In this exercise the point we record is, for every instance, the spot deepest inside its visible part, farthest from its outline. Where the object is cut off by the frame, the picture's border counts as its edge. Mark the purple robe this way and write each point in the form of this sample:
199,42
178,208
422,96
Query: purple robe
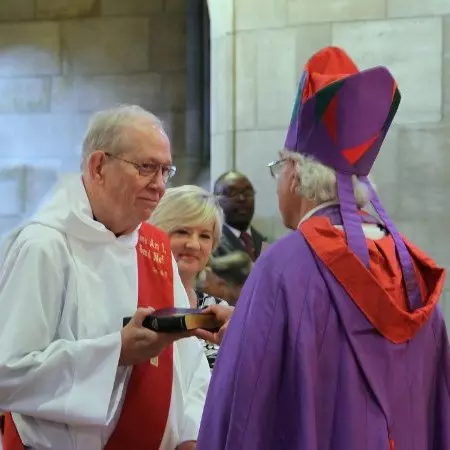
304,366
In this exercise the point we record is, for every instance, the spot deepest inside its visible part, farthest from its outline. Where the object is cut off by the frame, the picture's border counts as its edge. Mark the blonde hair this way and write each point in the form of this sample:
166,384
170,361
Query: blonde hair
188,206
317,182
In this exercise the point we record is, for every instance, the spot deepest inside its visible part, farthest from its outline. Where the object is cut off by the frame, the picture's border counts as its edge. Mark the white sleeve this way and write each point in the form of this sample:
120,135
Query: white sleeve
194,370
40,376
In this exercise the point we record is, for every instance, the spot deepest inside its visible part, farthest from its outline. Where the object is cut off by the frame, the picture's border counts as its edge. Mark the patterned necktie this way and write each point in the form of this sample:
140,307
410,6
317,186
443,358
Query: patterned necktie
248,244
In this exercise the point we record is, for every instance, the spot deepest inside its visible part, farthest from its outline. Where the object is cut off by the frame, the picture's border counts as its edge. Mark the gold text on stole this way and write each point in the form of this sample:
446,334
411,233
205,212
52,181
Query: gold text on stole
156,252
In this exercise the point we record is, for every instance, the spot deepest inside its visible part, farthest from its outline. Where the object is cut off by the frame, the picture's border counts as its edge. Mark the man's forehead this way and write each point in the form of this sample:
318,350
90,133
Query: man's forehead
153,144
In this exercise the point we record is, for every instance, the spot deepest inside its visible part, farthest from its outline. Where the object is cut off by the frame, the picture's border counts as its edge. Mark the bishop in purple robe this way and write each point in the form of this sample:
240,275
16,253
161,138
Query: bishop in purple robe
337,342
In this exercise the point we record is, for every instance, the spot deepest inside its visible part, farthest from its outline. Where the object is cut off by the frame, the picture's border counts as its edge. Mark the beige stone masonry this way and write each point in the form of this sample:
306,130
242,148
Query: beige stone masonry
417,8
106,46
301,11
29,49
412,49
131,7
11,10
56,9
257,14
25,95
88,94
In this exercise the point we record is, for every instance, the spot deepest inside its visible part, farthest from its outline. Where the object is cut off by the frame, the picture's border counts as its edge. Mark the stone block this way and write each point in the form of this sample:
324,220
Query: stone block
188,170
445,304
221,17
222,154
204,178
417,8
412,50
254,150
193,133
173,91
418,231
106,46
24,95
175,126
301,11
424,157
260,14
177,6
385,168
310,39
446,69
47,136
422,200
439,235
222,85
246,79
40,177
28,49
57,9
11,179
88,94
167,42
390,194
131,7
16,10
277,76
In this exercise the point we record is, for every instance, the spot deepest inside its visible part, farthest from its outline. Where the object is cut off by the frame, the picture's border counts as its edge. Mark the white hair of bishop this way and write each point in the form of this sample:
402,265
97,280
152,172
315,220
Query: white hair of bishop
317,182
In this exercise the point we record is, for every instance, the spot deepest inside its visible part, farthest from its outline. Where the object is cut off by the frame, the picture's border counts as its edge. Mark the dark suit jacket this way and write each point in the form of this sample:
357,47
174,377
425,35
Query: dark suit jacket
230,243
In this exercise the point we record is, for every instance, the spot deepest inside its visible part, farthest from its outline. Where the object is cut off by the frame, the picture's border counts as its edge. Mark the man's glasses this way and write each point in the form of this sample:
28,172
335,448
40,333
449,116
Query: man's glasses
245,195
149,169
275,167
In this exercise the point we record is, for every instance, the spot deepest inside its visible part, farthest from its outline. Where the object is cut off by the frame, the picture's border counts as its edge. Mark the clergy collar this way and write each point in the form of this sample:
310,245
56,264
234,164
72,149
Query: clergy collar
311,212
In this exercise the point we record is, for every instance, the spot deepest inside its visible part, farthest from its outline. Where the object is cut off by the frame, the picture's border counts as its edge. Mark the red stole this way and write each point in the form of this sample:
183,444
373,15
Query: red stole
145,411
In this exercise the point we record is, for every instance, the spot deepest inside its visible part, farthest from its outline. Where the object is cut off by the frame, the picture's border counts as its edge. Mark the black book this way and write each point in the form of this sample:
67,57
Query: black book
172,320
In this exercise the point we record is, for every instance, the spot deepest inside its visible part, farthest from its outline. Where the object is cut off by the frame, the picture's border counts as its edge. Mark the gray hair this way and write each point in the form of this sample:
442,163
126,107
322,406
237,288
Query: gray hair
317,182
188,206
107,129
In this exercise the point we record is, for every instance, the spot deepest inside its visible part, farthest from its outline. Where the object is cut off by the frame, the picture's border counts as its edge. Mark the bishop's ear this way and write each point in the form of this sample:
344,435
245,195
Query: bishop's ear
95,166
293,175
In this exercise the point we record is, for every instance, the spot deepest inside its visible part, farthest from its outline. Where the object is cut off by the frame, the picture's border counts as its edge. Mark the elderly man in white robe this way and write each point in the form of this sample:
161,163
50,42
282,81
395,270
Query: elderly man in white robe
71,376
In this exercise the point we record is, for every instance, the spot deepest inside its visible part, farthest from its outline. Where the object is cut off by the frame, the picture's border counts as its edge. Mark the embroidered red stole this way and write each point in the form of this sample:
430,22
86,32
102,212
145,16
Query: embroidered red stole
145,411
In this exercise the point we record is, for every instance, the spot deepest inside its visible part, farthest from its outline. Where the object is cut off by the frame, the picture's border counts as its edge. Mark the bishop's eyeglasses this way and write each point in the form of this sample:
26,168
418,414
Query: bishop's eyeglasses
275,167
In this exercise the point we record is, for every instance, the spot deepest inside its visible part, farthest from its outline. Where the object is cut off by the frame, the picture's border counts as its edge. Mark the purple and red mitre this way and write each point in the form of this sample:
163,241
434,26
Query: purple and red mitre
341,115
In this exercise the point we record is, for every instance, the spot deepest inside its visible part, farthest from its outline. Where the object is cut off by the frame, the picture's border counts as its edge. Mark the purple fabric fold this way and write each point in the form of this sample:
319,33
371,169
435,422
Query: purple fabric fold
409,276
351,219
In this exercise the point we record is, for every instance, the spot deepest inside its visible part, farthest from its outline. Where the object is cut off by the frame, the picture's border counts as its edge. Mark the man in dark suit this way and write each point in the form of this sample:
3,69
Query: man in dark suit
237,199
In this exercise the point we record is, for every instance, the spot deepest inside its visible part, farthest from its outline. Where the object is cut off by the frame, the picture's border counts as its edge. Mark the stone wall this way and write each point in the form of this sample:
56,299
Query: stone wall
259,48
61,60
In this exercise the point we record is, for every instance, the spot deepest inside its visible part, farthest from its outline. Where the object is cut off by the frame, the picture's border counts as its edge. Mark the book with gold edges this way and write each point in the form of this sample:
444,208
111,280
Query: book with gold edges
170,320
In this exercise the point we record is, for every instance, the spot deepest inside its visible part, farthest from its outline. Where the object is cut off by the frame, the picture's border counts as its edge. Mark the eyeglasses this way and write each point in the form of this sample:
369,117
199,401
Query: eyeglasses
245,195
275,167
149,169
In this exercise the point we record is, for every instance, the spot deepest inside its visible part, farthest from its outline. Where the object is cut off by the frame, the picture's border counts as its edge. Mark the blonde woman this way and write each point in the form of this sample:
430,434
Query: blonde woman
193,220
